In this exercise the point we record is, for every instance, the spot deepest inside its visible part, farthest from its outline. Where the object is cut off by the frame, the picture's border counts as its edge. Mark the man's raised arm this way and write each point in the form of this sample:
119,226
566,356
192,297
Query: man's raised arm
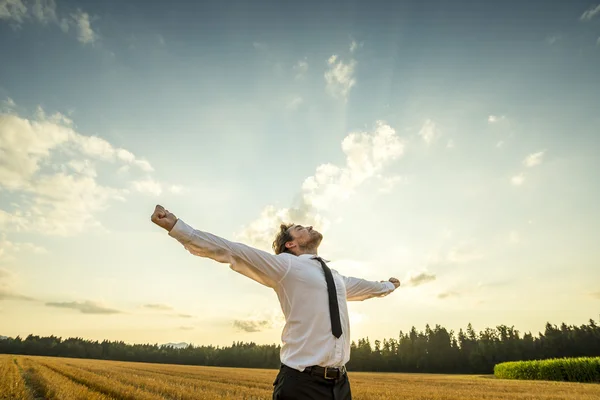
263,267
360,289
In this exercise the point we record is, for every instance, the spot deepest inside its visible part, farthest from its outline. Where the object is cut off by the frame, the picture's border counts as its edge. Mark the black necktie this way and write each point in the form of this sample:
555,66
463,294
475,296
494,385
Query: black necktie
334,311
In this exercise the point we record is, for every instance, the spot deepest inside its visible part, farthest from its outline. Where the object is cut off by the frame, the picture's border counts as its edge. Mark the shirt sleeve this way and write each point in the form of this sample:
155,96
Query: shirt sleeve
360,289
265,268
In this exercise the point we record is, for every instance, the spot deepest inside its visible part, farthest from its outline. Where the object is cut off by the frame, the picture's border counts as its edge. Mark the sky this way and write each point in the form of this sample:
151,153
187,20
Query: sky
453,145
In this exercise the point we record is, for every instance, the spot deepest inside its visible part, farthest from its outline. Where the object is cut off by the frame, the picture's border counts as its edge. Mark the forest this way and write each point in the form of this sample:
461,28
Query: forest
434,350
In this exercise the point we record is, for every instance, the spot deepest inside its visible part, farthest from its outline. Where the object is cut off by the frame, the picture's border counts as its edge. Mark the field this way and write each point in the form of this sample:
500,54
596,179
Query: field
33,378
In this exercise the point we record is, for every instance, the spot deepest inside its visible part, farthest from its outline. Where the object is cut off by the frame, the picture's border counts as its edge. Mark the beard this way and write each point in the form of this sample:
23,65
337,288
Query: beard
313,241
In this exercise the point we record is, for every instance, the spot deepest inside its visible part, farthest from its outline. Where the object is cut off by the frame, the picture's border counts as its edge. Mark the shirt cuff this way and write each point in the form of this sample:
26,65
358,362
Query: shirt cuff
390,286
181,231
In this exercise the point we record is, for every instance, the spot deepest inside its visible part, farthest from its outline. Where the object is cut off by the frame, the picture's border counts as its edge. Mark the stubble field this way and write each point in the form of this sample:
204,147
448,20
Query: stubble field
33,378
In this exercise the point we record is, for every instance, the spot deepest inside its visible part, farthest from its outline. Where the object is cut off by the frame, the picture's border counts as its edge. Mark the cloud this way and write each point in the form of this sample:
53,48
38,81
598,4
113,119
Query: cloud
595,295
86,307
388,183
492,119
518,180
53,169
7,248
354,45
176,189
598,41
500,144
448,294
534,159
184,315
161,307
44,12
462,253
417,279
428,132
186,328
294,103
301,68
450,144
14,10
148,186
161,39
6,294
367,154
251,326
6,282
514,237
553,39
260,46
590,13
340,77
85,32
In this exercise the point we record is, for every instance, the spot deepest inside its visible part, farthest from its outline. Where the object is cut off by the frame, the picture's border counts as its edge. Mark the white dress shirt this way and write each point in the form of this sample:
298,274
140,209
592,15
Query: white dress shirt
299,282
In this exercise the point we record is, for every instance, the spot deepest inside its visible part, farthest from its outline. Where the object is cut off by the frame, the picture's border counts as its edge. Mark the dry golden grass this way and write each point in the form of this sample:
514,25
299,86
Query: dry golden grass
12,384
64,378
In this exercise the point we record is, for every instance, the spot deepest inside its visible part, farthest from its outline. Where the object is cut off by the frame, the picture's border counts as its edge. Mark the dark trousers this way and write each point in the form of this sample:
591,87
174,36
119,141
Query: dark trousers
292,384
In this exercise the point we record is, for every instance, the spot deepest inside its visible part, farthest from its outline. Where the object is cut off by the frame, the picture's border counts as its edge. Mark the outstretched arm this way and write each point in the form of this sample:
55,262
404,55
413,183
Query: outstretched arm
360,289
263,267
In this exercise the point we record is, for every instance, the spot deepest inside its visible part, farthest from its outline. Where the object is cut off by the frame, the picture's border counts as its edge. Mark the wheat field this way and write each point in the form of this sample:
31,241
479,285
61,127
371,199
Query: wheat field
34,378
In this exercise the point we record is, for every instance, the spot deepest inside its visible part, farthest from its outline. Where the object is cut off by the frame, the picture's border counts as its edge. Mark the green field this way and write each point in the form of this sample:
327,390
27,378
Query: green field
32,378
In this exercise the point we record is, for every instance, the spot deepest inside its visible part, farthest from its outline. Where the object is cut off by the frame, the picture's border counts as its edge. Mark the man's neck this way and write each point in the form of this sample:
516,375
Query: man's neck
312,252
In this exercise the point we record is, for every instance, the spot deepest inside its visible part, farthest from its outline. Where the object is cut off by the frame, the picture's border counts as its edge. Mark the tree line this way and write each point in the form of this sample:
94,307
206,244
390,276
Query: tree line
434,350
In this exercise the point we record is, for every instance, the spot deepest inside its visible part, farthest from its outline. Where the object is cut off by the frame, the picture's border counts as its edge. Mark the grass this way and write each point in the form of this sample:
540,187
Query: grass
28,377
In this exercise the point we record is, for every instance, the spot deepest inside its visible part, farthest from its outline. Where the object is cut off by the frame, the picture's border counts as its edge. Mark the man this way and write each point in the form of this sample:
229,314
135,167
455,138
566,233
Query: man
316,336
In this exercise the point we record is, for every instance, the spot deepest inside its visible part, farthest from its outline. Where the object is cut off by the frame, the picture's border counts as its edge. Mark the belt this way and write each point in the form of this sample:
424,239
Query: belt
326,372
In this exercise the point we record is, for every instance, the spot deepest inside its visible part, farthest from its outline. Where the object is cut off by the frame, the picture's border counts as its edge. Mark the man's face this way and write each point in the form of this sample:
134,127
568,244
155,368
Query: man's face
305,236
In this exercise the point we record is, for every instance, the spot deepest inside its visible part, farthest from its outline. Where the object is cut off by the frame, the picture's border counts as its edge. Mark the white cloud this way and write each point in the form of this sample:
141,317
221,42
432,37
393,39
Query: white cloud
518,180
450,144
590,13
294,103
84,167
161,39
85,32
388,183
553,39
301,68
534,159
340,77
9,103
176,189
8,248
367,154
429,132
598,41
14,10
43,11
53,170
463,253
354,45
148,186
500,144
260,46
492,119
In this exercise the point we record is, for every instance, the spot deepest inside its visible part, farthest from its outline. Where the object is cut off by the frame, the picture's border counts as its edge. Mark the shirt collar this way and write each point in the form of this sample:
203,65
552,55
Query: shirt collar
311,256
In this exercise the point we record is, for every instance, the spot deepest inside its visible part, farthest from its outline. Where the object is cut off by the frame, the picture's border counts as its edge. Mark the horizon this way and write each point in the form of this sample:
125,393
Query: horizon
453,147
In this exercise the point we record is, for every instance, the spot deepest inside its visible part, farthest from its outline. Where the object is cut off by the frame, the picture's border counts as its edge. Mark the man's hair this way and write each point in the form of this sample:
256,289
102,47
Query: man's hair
283,236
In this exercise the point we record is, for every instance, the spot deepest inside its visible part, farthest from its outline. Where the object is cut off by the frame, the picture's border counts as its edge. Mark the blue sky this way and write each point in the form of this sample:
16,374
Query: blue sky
451,145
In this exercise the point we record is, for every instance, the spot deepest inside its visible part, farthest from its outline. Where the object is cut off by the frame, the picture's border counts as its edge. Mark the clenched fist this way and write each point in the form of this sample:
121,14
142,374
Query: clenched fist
163,218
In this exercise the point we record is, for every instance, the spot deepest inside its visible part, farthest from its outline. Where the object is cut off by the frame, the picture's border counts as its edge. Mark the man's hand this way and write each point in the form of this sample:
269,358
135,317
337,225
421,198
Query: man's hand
395,281
163,218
